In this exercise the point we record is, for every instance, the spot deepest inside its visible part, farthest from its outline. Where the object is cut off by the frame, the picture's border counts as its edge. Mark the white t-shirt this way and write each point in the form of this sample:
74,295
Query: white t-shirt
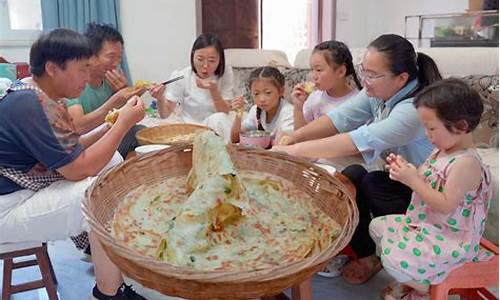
320,103
283,120
196,103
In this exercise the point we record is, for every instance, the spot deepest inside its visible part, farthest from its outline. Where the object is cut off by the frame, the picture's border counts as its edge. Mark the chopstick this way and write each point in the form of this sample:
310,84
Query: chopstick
172,80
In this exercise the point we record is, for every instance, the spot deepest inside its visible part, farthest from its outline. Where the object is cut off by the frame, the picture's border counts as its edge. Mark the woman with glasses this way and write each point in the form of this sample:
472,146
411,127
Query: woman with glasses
205,92
379,120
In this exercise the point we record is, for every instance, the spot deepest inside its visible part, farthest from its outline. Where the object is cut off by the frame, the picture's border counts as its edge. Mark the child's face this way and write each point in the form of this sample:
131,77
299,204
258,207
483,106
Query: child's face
435,130
266,94
205,61
324,76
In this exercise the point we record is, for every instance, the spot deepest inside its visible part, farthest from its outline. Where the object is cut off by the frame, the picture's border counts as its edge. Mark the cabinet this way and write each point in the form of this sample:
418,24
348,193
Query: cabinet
472,29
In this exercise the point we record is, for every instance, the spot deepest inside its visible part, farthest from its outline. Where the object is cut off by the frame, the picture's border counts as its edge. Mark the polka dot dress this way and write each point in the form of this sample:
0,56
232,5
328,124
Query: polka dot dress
425,244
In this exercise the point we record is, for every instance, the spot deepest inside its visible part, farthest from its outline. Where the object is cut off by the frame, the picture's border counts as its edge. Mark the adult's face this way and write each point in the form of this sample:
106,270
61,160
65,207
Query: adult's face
205,61
69,81
108,58
377,77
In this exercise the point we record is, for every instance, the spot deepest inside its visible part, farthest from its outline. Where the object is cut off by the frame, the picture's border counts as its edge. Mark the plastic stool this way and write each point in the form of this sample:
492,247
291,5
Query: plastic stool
471,279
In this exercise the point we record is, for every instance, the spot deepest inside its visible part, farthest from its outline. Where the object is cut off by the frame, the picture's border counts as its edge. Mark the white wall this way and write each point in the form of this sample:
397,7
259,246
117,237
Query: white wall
360,21
158,36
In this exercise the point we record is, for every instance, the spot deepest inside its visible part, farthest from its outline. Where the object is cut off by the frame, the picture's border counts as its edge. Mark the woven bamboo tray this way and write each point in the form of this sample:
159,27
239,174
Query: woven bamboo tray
163,134
328,193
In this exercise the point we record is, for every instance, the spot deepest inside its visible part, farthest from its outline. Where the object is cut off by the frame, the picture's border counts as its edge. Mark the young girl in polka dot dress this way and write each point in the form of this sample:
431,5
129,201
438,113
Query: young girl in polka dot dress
443,224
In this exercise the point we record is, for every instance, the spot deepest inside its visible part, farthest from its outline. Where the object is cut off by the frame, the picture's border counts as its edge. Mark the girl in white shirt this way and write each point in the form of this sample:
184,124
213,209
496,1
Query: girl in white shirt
271,112
205,92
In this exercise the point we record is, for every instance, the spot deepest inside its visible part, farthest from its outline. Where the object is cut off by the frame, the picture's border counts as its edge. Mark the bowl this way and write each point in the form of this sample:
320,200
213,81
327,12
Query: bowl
255,138
149,148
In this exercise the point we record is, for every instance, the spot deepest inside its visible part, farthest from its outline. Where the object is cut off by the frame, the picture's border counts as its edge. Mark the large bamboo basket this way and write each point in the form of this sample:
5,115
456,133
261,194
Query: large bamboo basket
162,134
330,194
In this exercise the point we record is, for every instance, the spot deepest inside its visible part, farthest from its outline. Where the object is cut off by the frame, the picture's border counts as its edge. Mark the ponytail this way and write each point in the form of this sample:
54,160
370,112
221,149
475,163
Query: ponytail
428,72
401,57
337,53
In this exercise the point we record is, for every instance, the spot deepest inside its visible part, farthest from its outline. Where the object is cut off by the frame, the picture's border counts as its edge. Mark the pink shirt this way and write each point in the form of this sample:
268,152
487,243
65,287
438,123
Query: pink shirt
319,103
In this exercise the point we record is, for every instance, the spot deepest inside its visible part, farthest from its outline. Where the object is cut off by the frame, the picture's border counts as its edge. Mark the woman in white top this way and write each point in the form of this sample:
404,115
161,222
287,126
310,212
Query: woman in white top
271,112
205,92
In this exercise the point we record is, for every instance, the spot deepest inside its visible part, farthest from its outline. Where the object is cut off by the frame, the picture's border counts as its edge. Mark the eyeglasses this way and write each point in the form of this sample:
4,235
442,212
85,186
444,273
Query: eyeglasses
367,76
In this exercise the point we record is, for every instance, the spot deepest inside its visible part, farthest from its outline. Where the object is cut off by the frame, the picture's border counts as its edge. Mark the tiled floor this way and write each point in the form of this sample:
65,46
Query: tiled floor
76,280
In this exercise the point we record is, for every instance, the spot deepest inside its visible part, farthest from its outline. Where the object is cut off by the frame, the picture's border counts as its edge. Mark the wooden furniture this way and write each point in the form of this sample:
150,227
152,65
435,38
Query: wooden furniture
9,252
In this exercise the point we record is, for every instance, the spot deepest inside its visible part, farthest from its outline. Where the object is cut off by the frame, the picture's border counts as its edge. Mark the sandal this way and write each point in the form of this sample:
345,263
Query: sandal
395,291
356,272
334,266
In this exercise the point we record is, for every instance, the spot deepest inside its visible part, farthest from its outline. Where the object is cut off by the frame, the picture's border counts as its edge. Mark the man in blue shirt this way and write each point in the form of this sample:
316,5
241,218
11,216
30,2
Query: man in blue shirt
45,166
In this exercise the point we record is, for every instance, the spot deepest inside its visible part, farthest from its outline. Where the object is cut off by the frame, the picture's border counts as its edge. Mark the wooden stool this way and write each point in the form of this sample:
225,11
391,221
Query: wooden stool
10,251
471,279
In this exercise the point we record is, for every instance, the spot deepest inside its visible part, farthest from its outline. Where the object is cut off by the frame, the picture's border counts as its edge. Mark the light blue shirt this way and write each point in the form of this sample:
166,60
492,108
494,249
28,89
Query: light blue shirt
378,128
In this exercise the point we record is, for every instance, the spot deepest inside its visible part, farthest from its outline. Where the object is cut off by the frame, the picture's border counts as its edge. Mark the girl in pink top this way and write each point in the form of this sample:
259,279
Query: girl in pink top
331,66
443,224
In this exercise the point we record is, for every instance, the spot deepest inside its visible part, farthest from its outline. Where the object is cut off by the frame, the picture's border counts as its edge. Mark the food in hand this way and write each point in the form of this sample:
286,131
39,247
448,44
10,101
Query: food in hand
112,116
284,140
308,87
143,84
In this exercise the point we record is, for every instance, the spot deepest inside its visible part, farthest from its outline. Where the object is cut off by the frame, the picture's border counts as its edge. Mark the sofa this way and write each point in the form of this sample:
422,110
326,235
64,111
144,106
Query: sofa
477,66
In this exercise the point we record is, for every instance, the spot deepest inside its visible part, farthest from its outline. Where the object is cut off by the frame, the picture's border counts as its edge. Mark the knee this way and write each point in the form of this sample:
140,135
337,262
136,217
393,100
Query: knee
355,173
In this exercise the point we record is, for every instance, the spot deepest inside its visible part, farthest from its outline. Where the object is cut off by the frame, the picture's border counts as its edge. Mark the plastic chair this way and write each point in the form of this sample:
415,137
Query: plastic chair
8,252
470,280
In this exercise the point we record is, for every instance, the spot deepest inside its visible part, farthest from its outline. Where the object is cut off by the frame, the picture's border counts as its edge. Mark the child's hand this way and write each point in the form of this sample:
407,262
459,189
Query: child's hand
238,103
299,95
401,170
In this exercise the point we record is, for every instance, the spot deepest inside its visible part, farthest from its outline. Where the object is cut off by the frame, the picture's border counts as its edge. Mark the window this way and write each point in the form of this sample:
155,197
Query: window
288,29
20,21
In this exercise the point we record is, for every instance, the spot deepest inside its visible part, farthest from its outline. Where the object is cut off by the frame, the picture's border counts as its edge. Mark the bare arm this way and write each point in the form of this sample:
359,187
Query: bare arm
339,145
88,139
86,122
237,105
464,176
317,129
95,157
299,97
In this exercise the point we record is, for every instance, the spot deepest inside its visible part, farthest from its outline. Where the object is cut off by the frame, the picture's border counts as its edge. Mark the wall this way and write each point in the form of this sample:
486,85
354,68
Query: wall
361,21
158,36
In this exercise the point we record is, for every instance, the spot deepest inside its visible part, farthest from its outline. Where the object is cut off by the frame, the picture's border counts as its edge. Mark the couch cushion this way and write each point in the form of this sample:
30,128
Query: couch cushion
249,58
486,134
490,158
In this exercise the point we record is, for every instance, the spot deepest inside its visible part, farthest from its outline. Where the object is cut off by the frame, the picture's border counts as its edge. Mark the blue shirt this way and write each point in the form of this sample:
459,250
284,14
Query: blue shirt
375,134
37,135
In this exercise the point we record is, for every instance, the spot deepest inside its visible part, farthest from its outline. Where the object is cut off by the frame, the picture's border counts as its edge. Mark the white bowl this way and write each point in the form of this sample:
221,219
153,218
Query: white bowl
149,148
328,168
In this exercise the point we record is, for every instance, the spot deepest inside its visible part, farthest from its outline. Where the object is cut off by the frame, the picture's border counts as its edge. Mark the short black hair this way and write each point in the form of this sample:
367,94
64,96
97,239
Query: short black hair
457,105
98,33
207,40
58,46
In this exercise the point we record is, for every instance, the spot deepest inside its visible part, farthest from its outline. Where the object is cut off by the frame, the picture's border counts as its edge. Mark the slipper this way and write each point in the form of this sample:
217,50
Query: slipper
395,291
363,272
334,266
